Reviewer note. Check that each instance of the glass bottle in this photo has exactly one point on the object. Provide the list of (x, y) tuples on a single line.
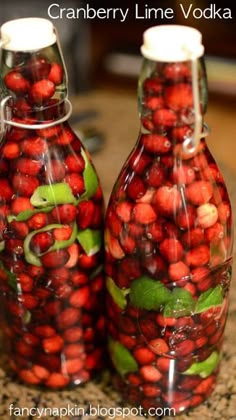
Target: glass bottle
[(168, 237), (51, 206)]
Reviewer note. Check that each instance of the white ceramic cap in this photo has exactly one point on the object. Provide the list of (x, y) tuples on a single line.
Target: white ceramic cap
[(27, 34), (172, 43)]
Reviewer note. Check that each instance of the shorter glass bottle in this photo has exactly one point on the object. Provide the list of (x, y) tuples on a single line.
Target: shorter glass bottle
[(51, 219), (168, 237)]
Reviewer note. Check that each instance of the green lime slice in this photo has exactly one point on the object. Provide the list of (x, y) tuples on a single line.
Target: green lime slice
[(181, 303), (209, 299), (90, 178), (53, 194), (117, 294), (90, 240), (121, 358), (204, 368), (147, 293)]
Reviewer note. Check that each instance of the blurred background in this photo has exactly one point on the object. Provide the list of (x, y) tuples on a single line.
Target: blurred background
[(104, 56), (115, 45)]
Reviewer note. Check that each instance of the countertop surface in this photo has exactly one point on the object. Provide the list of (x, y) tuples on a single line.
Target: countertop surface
[(115, 115)]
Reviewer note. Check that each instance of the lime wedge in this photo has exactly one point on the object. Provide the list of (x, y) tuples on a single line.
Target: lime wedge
[(121, 357), (53, 194), (147, 293), (118, 295), (209, 299), (90, 240), (204, 368)]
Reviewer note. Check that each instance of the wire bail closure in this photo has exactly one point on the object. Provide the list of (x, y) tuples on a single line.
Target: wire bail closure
[(191, 144), (5, 118)]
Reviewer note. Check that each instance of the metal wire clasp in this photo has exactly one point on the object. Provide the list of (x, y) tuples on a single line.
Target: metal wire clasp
[(5, 118), (191, 144)]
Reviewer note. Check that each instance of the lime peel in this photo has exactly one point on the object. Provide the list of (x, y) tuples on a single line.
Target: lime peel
[(26, 214), (90, 240), (122, 359), (117, 294), (12, 278), (31, 258), (52, 194), (90, 178), (204, 368)]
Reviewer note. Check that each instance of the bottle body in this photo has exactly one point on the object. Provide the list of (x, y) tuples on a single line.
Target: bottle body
[(51, 274), (168, 251)]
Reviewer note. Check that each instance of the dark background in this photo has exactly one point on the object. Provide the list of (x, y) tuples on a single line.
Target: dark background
[(219, 35)]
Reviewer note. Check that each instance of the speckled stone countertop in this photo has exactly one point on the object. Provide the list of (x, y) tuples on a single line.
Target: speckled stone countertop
[(116, 116)]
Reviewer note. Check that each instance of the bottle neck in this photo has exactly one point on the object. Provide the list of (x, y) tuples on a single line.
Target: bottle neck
[(36, 84), (172, 98)]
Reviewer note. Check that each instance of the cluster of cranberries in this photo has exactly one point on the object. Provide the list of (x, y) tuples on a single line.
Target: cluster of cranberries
[(51, 284), (168, 219), (34, 81)]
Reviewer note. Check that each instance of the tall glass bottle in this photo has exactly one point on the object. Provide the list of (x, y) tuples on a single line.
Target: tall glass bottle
[(51, 212), (168, 237)]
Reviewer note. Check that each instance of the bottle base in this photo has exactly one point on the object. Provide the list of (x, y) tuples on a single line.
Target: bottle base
[(71, 373), (150, 400)]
